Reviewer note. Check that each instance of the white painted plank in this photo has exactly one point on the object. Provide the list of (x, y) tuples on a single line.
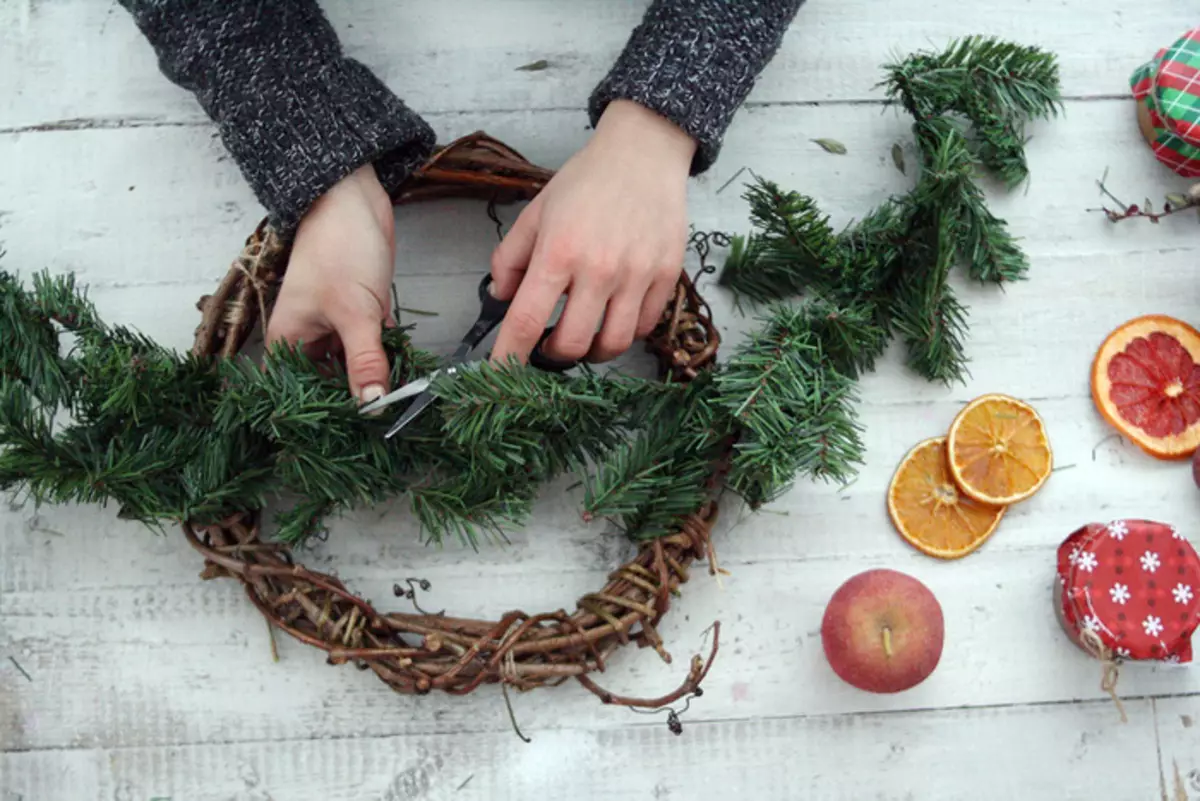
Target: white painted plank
[(1061, 752), (72, 60), (1178, 738), (190, 662)]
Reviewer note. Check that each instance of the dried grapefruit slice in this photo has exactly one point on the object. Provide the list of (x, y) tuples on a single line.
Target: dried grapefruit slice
[(930, 511), (998, 450), (1146, 384)]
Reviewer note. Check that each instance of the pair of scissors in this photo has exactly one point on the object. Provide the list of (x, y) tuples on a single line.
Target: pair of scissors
[(492, 311)]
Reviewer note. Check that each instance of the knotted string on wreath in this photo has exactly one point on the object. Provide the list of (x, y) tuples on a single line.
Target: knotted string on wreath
[(1108, 678)]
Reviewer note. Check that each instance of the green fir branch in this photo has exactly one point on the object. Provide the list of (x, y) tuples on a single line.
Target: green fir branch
[(986, 245), (793, 406), (928, 317), (31, 347), (1006, 77), (657, 478)]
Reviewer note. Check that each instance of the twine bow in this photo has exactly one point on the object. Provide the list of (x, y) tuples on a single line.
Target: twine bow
[(1108, 679)]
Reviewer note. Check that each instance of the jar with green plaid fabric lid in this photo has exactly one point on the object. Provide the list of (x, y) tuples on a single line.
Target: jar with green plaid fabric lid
[(1167, 89)]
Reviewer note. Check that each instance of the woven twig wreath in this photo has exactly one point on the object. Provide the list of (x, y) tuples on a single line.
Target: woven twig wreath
[(419, 653)]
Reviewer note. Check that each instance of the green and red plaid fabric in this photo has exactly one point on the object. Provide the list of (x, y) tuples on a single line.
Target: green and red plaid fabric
[(1169, 85)]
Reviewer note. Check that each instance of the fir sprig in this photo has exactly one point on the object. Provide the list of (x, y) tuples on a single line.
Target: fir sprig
[(651, 482), (1004, 77), (791, 405), (889, 274)]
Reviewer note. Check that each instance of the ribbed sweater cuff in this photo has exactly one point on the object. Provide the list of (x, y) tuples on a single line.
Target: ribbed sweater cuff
[(694, 62), (313, 127)]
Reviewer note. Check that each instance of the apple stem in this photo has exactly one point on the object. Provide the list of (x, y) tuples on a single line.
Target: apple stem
[(887, 641)]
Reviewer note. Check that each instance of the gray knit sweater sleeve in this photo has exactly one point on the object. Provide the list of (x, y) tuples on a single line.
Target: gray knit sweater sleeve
[(294, 112), (695, 61)]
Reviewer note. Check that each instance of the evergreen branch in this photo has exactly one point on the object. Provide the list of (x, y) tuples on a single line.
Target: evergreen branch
[(947, 162), (1008, 78), (789, 250), (928, 316), (125, 380), (651, 482), (851, 337), (457, 508), (824, 443), (230, 473), (793, 406), (1001, 145), (408, 362), (29, 455), (869, 253), (503, 413), (985, 244), (62, 300), (31, 351), (754, 278), (303, 522), (790, 221)]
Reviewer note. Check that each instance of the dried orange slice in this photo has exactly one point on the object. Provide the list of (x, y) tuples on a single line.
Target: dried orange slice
[(930, 511), (998, 450), (1146, 384)]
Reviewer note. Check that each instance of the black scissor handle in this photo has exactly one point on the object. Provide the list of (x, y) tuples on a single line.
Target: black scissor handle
[(492, 311), (490, 306), (541, 361)]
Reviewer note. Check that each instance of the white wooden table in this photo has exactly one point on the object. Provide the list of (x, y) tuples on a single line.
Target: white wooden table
[(138, 681)]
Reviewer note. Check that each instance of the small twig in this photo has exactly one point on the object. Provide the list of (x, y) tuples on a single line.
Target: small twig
[(673, 722), (420, 312), (1104, 189), (1063, 467), (1174, 204), (690, 685), (271, 639), (732, 178), (494, 216), (512, 717), (702, 242), (411, 593), (466, 781), (17, 665)]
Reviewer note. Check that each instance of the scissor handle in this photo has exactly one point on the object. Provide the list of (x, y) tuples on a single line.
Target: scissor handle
[(492, 310), (491, 306), (541, 361)]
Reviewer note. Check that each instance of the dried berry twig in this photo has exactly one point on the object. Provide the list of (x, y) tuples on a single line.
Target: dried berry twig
[(1173, 204)]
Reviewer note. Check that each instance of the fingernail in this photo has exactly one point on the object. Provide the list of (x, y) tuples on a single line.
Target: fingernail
[(373, 392)]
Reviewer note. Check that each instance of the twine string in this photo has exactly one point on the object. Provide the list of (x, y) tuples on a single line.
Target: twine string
[(1111, 672)]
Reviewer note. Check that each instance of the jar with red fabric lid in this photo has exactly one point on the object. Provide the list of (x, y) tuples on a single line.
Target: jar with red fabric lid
[(1131, 590)]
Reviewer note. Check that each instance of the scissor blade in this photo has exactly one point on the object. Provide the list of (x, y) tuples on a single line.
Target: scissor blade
[(406, 391), (417, 406)]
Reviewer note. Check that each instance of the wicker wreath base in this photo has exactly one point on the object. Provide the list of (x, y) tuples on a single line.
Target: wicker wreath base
[(419, 653)]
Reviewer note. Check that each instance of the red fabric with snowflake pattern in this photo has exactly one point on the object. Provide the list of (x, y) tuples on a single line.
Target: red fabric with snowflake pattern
[(1136, 584)]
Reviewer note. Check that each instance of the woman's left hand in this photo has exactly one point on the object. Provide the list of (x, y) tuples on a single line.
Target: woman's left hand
[(610, 231)]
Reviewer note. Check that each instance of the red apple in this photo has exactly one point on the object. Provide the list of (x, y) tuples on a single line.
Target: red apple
[(883, 631)]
